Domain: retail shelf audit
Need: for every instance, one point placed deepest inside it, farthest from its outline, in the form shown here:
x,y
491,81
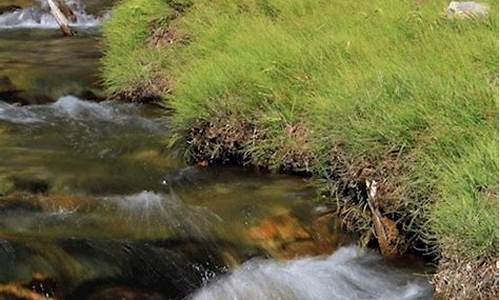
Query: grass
x,y
127,64
394,86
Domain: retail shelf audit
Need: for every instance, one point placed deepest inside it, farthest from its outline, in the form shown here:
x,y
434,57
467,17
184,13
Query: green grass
x,y
128,64
371,77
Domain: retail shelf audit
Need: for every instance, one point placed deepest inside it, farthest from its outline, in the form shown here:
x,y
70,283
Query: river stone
x,y
467,9
8,8
6,84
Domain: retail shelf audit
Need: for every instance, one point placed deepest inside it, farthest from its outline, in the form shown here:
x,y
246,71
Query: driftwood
x,y
66,10
62,13
386,231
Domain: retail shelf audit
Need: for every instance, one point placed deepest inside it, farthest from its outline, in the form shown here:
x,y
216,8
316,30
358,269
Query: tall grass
x,y
376,77
128,62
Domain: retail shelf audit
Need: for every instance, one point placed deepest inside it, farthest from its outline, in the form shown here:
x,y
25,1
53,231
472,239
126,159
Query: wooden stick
x,y
60,18
376,215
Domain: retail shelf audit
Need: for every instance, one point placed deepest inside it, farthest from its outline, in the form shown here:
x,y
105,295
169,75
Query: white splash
x,y
166,211
350,273
15,114
75,110
78,109
40,17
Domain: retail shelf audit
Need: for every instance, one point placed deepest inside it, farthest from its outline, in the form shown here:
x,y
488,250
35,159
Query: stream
x,y
94,206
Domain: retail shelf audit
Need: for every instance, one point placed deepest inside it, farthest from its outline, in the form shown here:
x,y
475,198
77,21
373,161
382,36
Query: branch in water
x,y
62,18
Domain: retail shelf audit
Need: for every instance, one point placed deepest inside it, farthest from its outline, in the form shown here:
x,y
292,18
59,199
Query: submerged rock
x,y
50,204
40,287
286,237
8,8
467,9
15,292
100,269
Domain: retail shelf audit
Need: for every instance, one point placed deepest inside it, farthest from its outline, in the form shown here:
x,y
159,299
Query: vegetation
x,y
129,68
347,91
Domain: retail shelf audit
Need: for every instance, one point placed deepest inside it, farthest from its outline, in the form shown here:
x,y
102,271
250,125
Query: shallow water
x,y
103,210
39,66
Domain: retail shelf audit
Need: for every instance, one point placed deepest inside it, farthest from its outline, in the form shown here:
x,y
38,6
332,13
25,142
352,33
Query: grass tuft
x,y
130,67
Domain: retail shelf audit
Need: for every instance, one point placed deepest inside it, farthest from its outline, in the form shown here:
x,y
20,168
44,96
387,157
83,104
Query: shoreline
x,y
254,84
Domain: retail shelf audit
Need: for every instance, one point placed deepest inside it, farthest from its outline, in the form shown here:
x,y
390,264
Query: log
x,y
67,11
61,18
386,231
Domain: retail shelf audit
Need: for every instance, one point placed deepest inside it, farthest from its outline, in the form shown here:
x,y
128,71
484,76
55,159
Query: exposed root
x,y
152,90
166,37
222,141
294,153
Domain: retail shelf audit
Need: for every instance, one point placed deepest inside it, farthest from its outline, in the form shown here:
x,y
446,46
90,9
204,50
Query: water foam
x,y
167,211
40,17
350,273
72,109
18,115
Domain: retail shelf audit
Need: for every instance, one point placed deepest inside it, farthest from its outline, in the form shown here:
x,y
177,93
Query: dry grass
x,y
459,279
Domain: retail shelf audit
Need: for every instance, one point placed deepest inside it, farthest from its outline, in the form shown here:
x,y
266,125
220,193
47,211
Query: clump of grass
x,y
378,77
392,90
465,219
130,67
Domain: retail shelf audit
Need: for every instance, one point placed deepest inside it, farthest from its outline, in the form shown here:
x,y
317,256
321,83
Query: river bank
x,y
94,206
388,92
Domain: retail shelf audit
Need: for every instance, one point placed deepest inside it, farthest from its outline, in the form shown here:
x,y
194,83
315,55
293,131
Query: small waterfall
x,y
40,17
17,115
168,211
72,109
350,273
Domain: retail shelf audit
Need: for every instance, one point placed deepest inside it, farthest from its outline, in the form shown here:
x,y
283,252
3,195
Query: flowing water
x,y
93,206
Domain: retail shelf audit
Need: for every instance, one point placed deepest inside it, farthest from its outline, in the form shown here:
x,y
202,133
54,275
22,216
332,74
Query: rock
x,y
32,184
44,286
467,9
40,287
8,8
6,84
285,237
51,203
283,228
58,203
274,235
14,292
19,200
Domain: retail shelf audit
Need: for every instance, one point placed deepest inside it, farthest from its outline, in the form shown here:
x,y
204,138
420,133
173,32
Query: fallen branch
x,y
386,231
61,18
